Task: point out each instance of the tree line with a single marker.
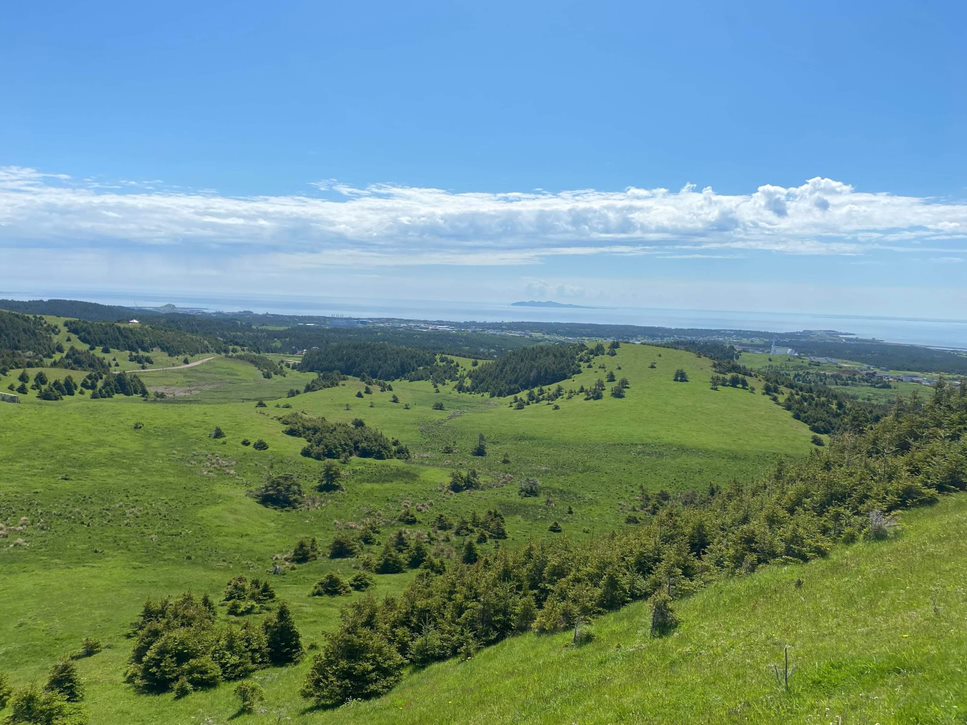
(374, 359)
(24, 341)
(266, 365)
(138, 338)
(530, 367)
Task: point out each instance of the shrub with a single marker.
(407, 516)
(554, 585)
(63, 679)
(389, 561)
(246, 597)
(342, 547)
(663, 619)
(281, 492)
(240, 650)
(218, 433)
(178, 645)
(246, 442)
(89, 648)
(464, 481)
(331, 478)
(481, 448)
(5, 691)
(331, 585)
(305, 550)
(261, 404)
(330, 440)
(438, 405)
(32, 705)
(360, 582)
(250, 695)
(358, 661)
(555, 528)
(182, 688)
(470, 554)
(260, 445)
(530, 488)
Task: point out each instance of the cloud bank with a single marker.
(389, 225)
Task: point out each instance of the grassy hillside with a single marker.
(126, 499)
(876, 633)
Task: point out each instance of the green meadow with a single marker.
(125, 499)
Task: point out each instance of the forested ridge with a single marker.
(77, 309)
(75, 359)
(24, 338)
(527, 368)
(885, 355)
(367, 359)
(137, 338)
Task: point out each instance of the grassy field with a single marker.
(126, 499)
(793, 364)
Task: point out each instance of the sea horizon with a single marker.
(930, 332)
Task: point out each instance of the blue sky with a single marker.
(785, 156)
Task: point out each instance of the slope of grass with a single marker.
(876, 633)
(127, 499)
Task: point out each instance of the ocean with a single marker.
(932, 332)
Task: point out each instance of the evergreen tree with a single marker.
(470, 555)
(305, 550)
(32, 705)
(481, 448)
(358, 661)
(63, 680)
(663, 619)
(331, 585)
(283, 491)
(342, 547)
(282, 638)
(330, 480)
(250, 696)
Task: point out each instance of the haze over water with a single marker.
(930, 332)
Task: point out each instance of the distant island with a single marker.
(546, 303)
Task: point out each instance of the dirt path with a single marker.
(177, 367)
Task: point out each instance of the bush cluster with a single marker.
(181, 646)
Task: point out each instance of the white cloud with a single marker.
(389, 225)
